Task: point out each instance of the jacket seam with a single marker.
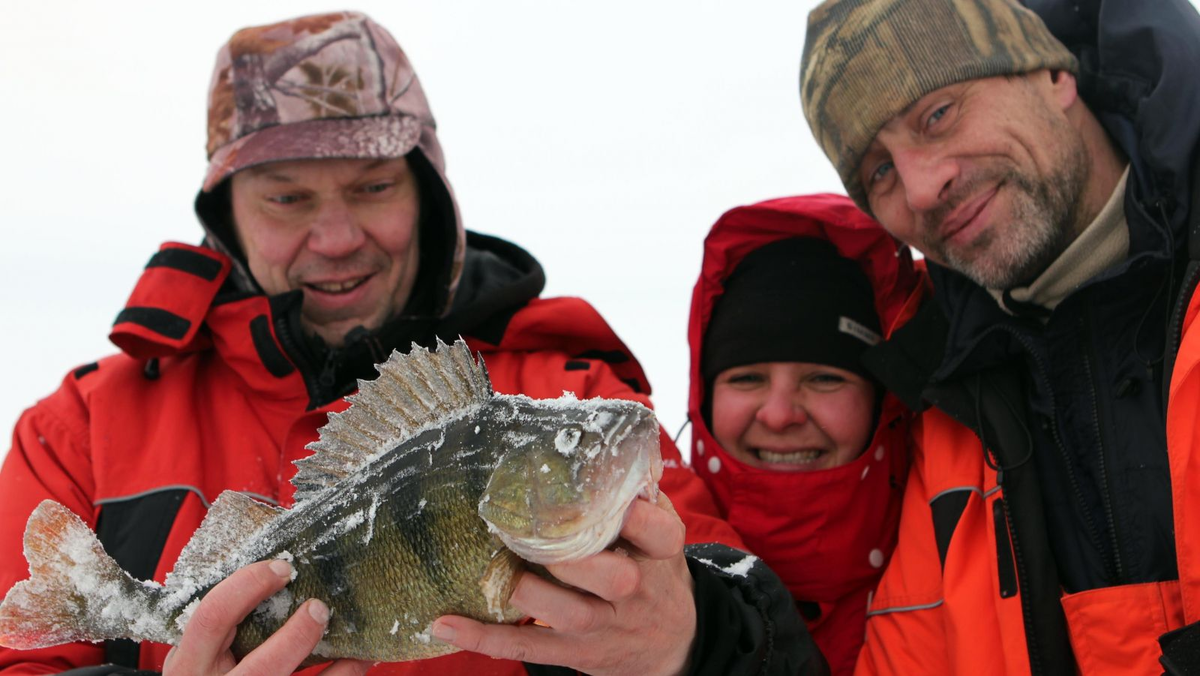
(905, 609)
(178, 487)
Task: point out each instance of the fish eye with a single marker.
(567, 439)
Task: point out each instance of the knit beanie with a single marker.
(865, 61)
(792, 300)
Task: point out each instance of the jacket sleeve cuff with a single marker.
(1181, 650)
(746, 620)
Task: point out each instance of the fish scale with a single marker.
(416, 503)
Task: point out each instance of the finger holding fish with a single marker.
(204, 648)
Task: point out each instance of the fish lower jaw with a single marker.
(590, 539)
(581, 544)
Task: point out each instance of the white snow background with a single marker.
(605, 138)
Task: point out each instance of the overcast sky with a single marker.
(605, 138)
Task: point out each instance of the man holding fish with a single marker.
(332, 238)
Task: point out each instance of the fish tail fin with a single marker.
(75, 591)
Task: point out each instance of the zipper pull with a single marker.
(328, 370)
(1006, 567)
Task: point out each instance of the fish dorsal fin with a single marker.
(414, 391)
(233, 518)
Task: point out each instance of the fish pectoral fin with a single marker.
(498, 582)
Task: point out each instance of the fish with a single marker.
(427, 496)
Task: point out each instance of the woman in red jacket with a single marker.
(803, 450)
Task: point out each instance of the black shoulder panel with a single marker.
(947, 509)
(606, 356)
(86, 369)
(133, 532)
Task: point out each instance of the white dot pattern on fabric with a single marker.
(700, 447)
(864, 474)
(879, 452)
(714, 464)
(876, 558)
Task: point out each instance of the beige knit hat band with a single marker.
(865, 61)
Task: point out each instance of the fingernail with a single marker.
(281, 568)
(318, 610)
(443, 632)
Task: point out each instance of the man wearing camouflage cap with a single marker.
(1044, 161)
(332, 237)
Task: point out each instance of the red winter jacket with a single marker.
(827, 533)
(140, 448)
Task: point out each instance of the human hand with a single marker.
(631, 611)
(204, 648)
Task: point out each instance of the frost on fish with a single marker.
(387, 526)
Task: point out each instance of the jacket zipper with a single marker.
(1106, 493)
(317, 383)
(1052, 425)
(1031, 638)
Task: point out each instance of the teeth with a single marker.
(338, 287)
(795, 458)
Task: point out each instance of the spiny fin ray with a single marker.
(413, 392)
(234, 517)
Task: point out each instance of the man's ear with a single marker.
(1063, 89)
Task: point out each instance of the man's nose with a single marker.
(927, 175)
(782, 410)
(335, 230)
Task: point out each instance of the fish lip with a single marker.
(966, 212)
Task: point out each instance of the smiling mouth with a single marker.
(966, 214)
(805, 457)
(345, 286)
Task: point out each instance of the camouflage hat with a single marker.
(865, 61)
(333, 85)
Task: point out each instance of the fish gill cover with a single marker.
(423, 498)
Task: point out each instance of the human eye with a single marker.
(826, 380)
(742, 379)
(937, 115)
(879, 173)
(377, 187)
(285, 199)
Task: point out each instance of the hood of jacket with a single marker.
(826, 532)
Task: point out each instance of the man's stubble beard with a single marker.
(1044, 220)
